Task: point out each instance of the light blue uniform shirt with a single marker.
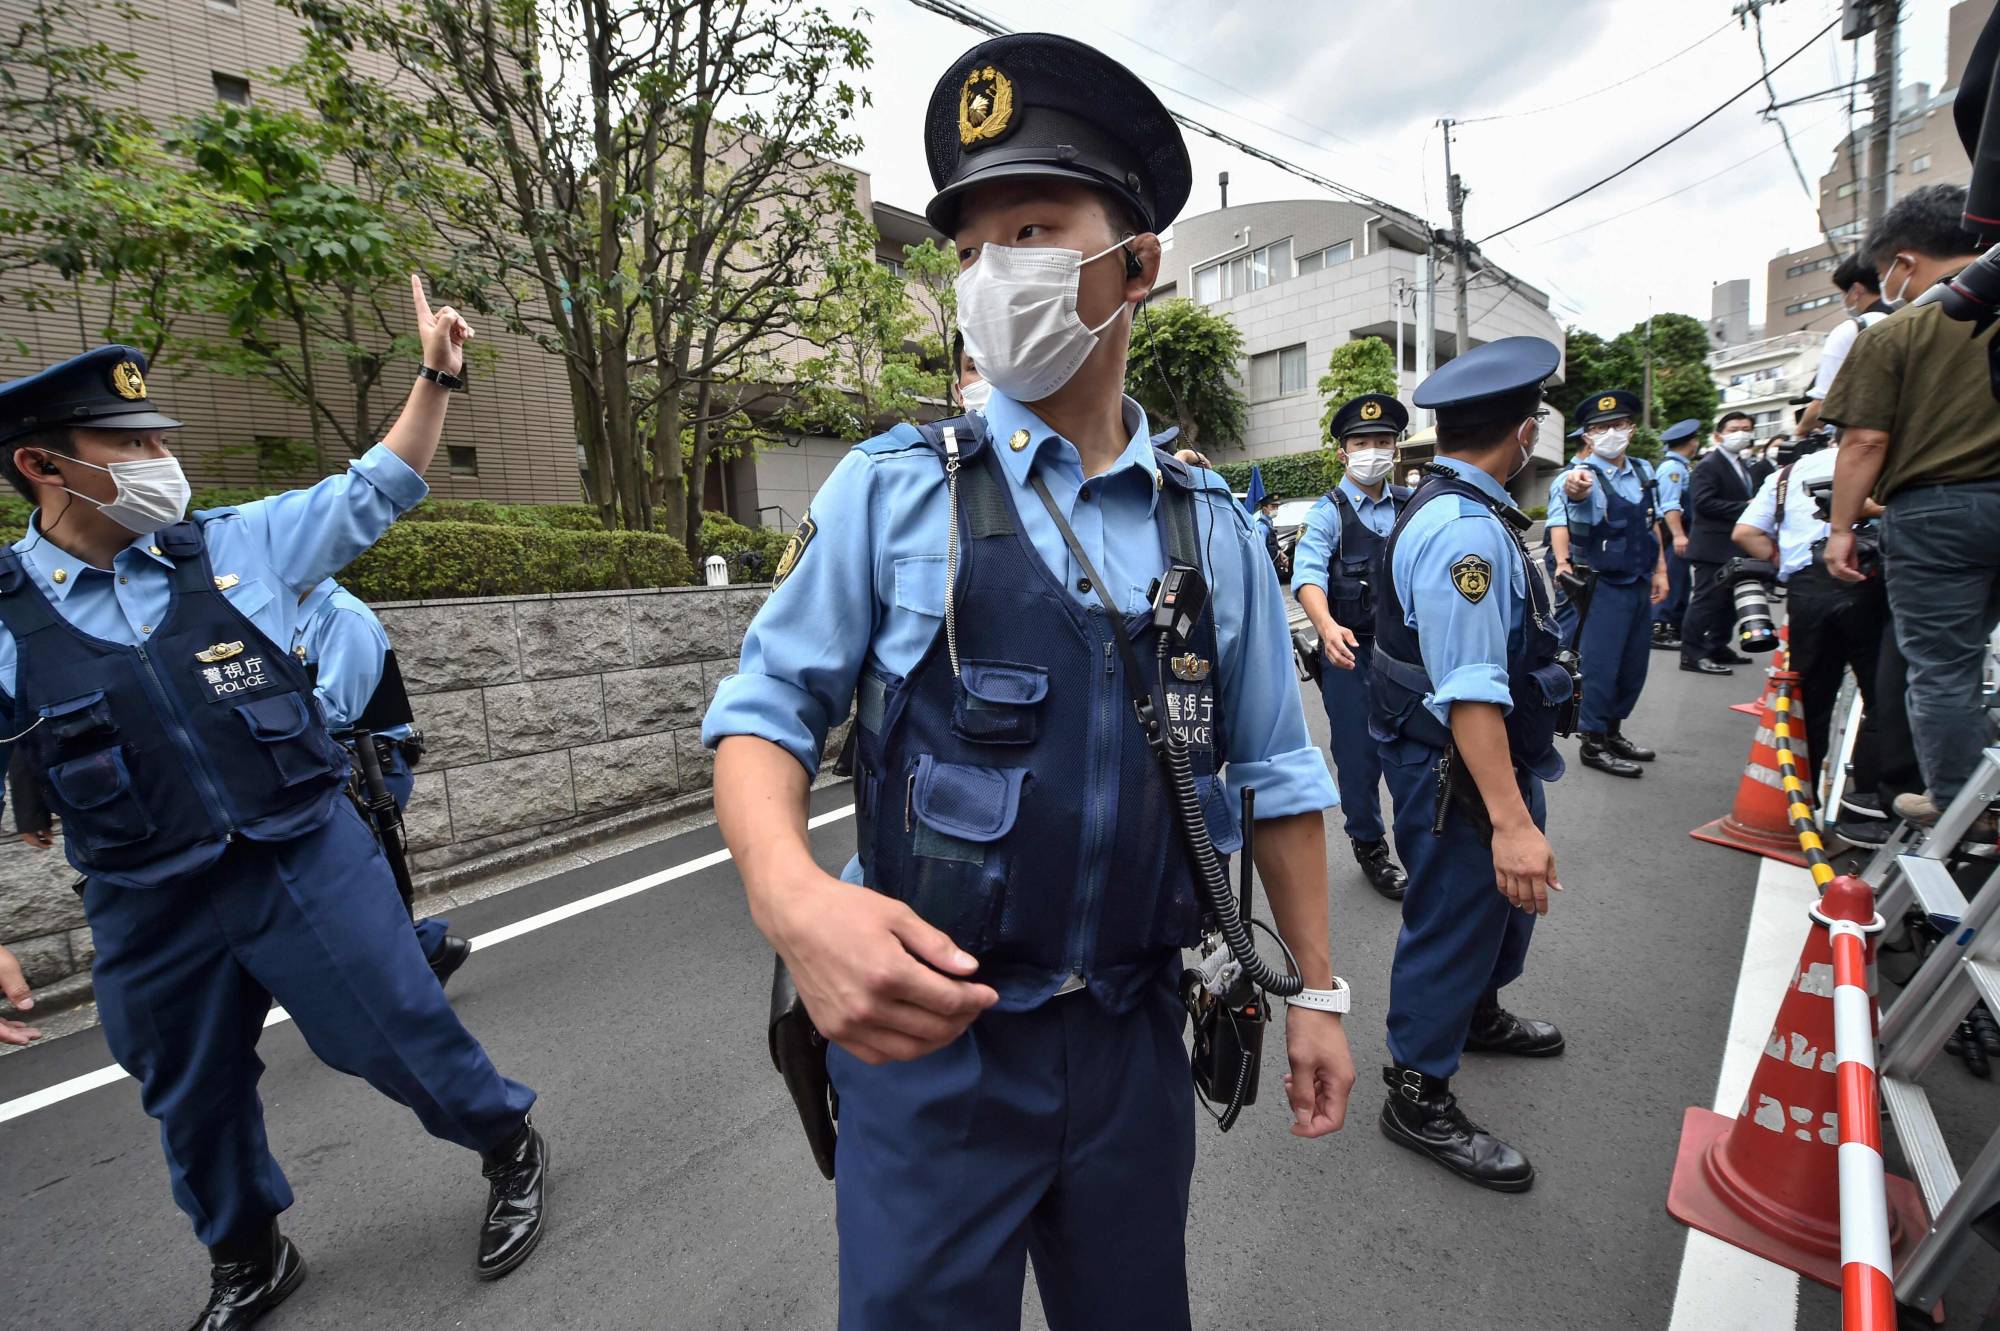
(1320, 541)
(1672, 471)
(276, 549)
(1802, 528)
(341, 636)
(868, 589)
(1465, 643)
(1626, 479)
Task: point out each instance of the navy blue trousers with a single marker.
(1461, 939)
(1356, 762)
(1615, 647)
(1669, 611)
(1063, 1134)
(185, 975)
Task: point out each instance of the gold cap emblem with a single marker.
(1607, 403)
(222, 651)
(128, 382)
(1371, 411)
(985, 105)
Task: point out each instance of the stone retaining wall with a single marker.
(540, 714)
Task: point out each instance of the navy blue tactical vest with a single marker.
(1350, 593)
(1620, 546)
(1012, 801)
(156, 756)
(1539, 684)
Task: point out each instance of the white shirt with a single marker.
(1838, 343)
(1802, 528)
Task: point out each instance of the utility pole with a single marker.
(1882, 126)
(1455, 198)
(1646, 402)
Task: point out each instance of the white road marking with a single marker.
(1723, 1288)
(105, 1076)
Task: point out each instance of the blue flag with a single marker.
(1255, 495)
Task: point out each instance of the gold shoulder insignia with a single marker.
(222, 651)
(1473, 577)
(795, 550)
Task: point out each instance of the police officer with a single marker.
(1681, 439)
(1007, 1039)
(345, 646)
(1267, 528)
(1333, 575)
(1573, 483)
(1467, 691)
(1622, 552)
(145, 663)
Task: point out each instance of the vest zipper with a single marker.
(1107, 718)
(186, 741)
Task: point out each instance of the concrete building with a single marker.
(1763, 377)
(1729, 314)
(1300, 277)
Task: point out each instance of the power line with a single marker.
(1609, 87)
(1653, 152)
(1771, 114)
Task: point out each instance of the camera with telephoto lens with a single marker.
(1751, 582)
(1867, 535)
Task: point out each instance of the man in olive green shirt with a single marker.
(1921, 431)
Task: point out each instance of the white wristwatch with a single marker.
(1338, 999)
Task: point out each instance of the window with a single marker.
(1801, 306)
(1846, 229)
(229, 88)
(1811, 266)
(464, 461)
(1252, 271)
(1326, 258)
(1276, 374)
(893, 265)
(1848, 191)
(1920, 163)
(226, 6)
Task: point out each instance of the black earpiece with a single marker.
(50, 469)
(1133, 268)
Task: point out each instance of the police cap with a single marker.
(104, 389)
(1679, 431)
(1608, 406)
(1490, 383)
(1035, 106)
(1371, 413)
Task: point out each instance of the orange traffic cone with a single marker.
(1761, 820)
(1768, 1180)
(1780, 660)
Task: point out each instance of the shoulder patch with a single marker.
(795, 550)
(1473, 577)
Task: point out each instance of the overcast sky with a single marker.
(1353, 89)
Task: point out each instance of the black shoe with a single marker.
(1495, 1030)
(517, 1173)
(1383, 874)
(1869, 832)
(1625, 748)
(1964, 1046)
(1666, 642)
(1423, 1115)
(1985, 1028)
(1595, 753)
(1705, 667)
(451, 955)
(1729, 657)
(248, 1279)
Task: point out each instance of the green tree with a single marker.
(1681, 383)
(871, 371)
(932, 270)
(1363, 365)
(1183, 370)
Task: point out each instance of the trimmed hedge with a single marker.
(1290, 475)
(441, 559)
(753, 552)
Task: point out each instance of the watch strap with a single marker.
(449, 382)
(1338, 999)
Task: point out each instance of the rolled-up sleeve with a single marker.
(806, 647)
(1318, 541)
(1269, 748)
(1558, 515)
(309, 535)
(1464, 640)
(1667, 487)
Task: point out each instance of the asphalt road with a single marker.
(683, 1197)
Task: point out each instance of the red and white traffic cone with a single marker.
(1780, 660)
(1760, 820)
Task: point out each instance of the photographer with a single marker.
(1861, 297)
(1835, 625)
(1921, 431)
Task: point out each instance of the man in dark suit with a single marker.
(1717, 494)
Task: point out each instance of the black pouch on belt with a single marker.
(1458, 791)
(798, 1051)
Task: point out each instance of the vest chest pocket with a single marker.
(998, 703)
(102, 804)
(281, 725)
(78, 725)
(958, 817)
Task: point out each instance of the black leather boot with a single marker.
(1495, 1030)
(1423, 1115)
(1666, 638)
(1596, 753)
(518, 1173)
(451, 955)
(1615, 741)
(1964, 1046)
(1383, 874)
(249, 1277)
(1983, 1026)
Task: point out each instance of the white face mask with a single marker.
(1737, 440)
(1611, 444)
(1369, 465)
(1017, 309)
(1527, 449)
(152, 493)
(974, 394)
(1895, 302)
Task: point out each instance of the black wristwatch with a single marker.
(449, 382)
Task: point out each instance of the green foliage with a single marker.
(1363, 365)
(752, 552)
(1183, 370)
(1289, 475)
(1537, 513)
(435, 560)
(1681, 384)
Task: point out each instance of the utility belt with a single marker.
(411, 747)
